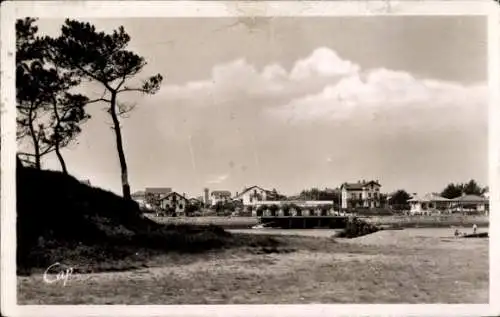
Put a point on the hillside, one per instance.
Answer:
(62, 219)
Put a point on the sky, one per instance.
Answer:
(294, 103)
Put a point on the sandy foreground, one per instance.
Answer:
(407, 266)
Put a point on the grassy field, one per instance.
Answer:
(406, 266)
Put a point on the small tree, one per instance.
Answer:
(399, 200)
(452, 191)
(103, 59)
(472, 188)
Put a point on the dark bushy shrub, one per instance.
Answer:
(356, 227)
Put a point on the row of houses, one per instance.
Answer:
(164, 198)
(360, 194)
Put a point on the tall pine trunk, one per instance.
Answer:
(33, 134)
(58, 141)
(119, 147)
(61, 159)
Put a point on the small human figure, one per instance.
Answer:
(456, 233)
(474, 228)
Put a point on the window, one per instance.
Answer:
(181, 206)
(360, 196)
(369, 195)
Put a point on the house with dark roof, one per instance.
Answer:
(217, 196)
(362, 194)
(174, 202)
(153, 195)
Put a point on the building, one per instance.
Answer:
(362, 194)
(294, 208)
(433, 203)
(155, 194)
(174, 202)
(222, 196)
(429, 203)
(253, 195)
(470, 203)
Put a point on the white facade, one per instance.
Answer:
(253, 196)
(361, 194)
(220, 196)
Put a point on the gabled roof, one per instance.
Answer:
(220, 193)
(174, 194)
(359, 185)
(470, 198)
(250, 188)
(428, 198)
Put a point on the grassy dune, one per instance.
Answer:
(408, 266)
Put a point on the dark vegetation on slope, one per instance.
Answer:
(356, 227)
(60, 219)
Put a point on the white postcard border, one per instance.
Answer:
(101, 9)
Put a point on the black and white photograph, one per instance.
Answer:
(248, 153)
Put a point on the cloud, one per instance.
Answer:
(325, 87)
(218, 179)
(382, 91)
(323, 62)
(238, 79)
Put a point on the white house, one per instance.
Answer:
(175, 202)
(429, 203)
(255, 195)
(470, 203)
(222, 196)
(361, 194)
